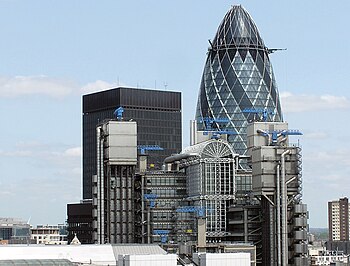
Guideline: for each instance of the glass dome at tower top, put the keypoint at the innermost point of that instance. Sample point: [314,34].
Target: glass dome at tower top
[239,30]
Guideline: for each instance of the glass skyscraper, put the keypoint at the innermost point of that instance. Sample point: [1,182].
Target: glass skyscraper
[238,76]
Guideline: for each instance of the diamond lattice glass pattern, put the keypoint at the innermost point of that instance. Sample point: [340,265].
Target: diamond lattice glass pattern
[238,75]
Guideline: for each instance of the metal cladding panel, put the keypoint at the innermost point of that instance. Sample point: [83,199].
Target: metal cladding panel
[300,248]
[150,260]
[300,235]
[121,141]
[263,182]
[300,222]
[120,128]
[300,208]
[255,139]
[137,249]
[224,259]
[263,154]
[121,153]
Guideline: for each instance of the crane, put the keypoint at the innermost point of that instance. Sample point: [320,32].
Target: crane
[151,198]
[275,134]
[208,126]
[163,235]
[263,111]
[199,211]
[144,148]
[118,113]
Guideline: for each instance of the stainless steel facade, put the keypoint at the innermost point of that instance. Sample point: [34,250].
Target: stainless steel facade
[277,182]
[113,190]
[238,75]
[210,181]
[158,213]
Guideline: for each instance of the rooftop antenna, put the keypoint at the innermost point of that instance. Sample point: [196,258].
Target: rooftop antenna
[165,85]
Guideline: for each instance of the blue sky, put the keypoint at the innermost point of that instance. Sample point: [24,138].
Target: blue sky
[52,52]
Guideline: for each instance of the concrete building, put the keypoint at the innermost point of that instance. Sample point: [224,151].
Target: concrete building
[157,113]
[338,219]
[48,235]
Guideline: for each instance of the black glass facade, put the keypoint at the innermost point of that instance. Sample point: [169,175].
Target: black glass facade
[79,222]
[238,75]
[158,117]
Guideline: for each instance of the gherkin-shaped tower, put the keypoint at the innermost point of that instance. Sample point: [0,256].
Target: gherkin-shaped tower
[238,76]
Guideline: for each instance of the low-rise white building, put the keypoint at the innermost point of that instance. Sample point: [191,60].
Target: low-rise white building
[48,235]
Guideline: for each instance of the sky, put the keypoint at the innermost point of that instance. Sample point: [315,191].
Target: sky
[53,52]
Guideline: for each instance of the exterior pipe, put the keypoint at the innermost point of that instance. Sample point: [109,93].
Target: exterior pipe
[142,208]
[102,195]
[284,209]
[278,199]
[193,135]
[178,157]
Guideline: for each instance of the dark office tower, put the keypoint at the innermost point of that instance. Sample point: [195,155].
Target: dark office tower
[238,75]
[158,117]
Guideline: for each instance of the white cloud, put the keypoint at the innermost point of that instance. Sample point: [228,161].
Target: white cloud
[73,152]
[48,152]
[20,86]
[29,85]
[300,103]
[96,86]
